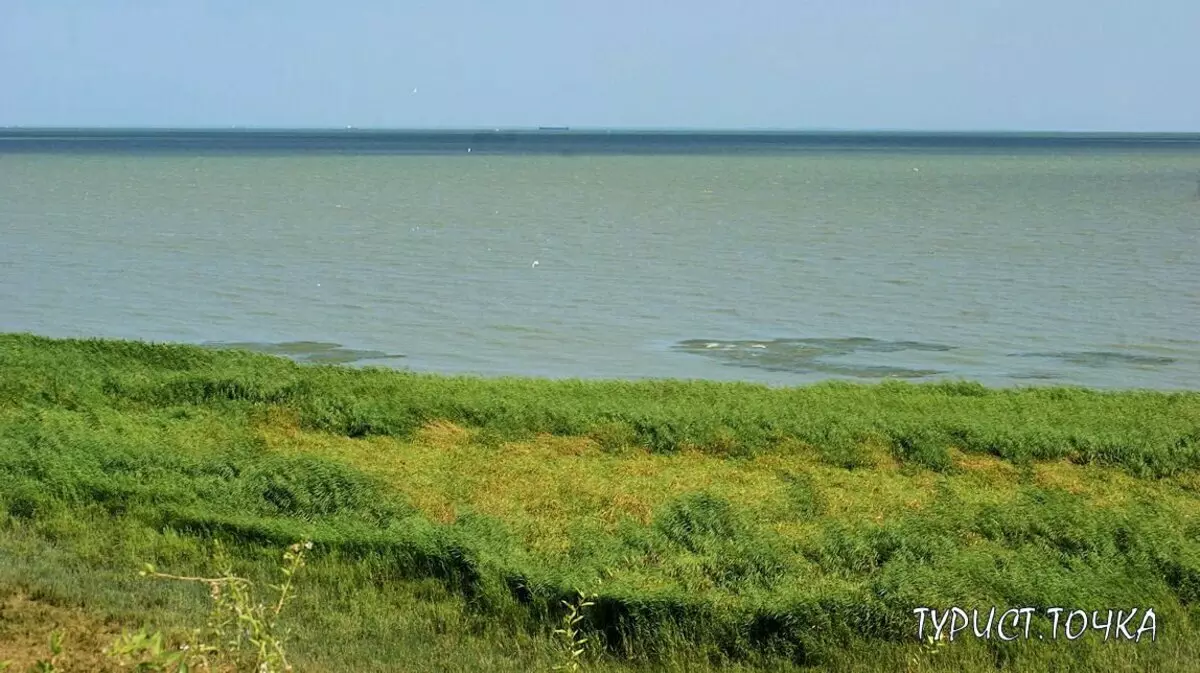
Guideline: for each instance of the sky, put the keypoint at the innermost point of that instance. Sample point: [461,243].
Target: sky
[1007,65]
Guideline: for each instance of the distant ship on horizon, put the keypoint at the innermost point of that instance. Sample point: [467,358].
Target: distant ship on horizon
[554,128]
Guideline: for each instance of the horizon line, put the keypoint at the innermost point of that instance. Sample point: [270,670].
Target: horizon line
[595,129]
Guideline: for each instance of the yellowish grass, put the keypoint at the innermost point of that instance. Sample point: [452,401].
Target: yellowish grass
[544,486]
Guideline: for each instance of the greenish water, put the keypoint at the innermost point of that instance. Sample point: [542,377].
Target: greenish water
[1014,268]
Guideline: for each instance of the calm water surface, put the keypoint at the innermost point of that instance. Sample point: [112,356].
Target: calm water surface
[1011,269]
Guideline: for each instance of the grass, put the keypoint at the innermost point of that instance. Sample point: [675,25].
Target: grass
[457,521]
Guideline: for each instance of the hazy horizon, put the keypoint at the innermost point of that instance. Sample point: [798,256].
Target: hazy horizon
[596,129]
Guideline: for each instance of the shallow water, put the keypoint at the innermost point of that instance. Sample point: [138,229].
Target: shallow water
[1019,268]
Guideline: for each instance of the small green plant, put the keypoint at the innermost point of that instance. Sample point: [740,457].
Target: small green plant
[154,656]
[570,635]
[929,648]
[56,648]
[241,630]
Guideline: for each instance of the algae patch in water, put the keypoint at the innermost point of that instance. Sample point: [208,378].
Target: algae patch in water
[1102,358]
[811,355]
[315,352]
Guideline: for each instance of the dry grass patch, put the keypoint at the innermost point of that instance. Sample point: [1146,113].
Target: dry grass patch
[985,467]
[542,487]
[444,434]
[26,625]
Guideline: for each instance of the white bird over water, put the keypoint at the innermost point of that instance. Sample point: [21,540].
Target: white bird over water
[534,265]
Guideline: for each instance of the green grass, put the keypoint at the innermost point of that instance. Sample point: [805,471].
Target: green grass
[718,524]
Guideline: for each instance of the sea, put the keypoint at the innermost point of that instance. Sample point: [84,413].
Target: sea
[770,257]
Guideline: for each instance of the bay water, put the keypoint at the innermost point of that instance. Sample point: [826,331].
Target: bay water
[1004,267]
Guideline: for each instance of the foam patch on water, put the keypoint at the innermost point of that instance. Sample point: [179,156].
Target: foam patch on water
[813,356]
[316,352]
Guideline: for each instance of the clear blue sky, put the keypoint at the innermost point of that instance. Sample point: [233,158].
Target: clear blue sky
[1099,65]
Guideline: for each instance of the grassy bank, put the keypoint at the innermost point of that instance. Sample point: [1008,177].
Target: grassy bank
[718,524]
